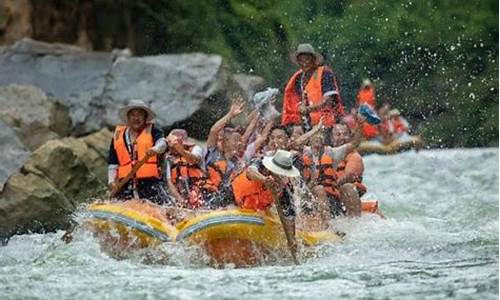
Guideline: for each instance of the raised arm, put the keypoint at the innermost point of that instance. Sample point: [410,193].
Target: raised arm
[262,137]
[236,109]
[254,174]
[301,140]
[254,118]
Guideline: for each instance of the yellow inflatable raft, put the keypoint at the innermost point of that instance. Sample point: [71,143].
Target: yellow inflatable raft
[237,236]
[368,147]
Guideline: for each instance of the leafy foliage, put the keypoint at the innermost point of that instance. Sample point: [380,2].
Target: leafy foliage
[437,61]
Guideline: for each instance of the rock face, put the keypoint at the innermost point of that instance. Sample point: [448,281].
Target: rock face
[35,117]
[65,72]
[57,177]
[177,87]
[187,88]
[14,153]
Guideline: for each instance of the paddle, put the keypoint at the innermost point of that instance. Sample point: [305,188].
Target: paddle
[67,236]
[129,176]
[290,236]
[369,114]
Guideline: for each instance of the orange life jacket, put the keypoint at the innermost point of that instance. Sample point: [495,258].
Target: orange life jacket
[370,131]
[370,206]
[250,194]
[181,169]
[366,95]
[291,101]
[142,143]
[327,175]
[215,173]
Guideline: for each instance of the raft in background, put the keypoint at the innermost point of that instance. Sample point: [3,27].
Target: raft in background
[412,142]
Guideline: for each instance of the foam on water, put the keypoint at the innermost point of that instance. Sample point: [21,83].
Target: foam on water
[440,240]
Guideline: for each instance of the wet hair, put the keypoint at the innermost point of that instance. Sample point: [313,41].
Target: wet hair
[279,127]
[341,122]
[240,129]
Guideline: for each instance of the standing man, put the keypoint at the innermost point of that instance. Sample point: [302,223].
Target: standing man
[312,92]
[131,143]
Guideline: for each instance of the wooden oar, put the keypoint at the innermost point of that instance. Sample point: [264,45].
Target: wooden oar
[290,236]
[129,176]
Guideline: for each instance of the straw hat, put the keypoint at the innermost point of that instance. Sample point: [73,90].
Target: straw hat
[306,49]
[281,163]
[366,82]
[134,104]
[394,112]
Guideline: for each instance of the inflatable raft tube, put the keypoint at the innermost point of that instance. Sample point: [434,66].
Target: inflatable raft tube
[368,147]
[234,236]
[244,237]
[122,227]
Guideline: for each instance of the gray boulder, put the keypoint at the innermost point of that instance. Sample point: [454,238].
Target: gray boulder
[58,177]
[183,87]
[65,72]
[186,90]
[35,117]
[14,153]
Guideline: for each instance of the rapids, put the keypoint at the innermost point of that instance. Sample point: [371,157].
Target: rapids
[440,240]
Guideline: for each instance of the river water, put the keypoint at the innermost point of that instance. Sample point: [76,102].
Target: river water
[440,241]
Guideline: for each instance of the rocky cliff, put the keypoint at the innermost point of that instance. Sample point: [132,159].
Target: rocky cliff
[60,104]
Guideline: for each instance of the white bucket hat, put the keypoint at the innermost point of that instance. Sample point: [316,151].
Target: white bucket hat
[306,49]
[133,104]
[281,163]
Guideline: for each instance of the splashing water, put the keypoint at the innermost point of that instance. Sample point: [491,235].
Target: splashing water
[440,240]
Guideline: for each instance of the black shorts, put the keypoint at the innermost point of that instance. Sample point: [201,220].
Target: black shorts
[150,189]
[286,202]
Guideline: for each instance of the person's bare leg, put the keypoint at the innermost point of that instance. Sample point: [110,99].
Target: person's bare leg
[350,198]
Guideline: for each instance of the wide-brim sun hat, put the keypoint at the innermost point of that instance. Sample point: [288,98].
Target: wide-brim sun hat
[306,49]
[281,163]
[366,82]
[136,104]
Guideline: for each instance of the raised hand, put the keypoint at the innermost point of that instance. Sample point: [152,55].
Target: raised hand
[237,106]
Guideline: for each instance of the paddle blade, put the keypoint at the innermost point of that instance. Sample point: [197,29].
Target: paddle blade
[369,114]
